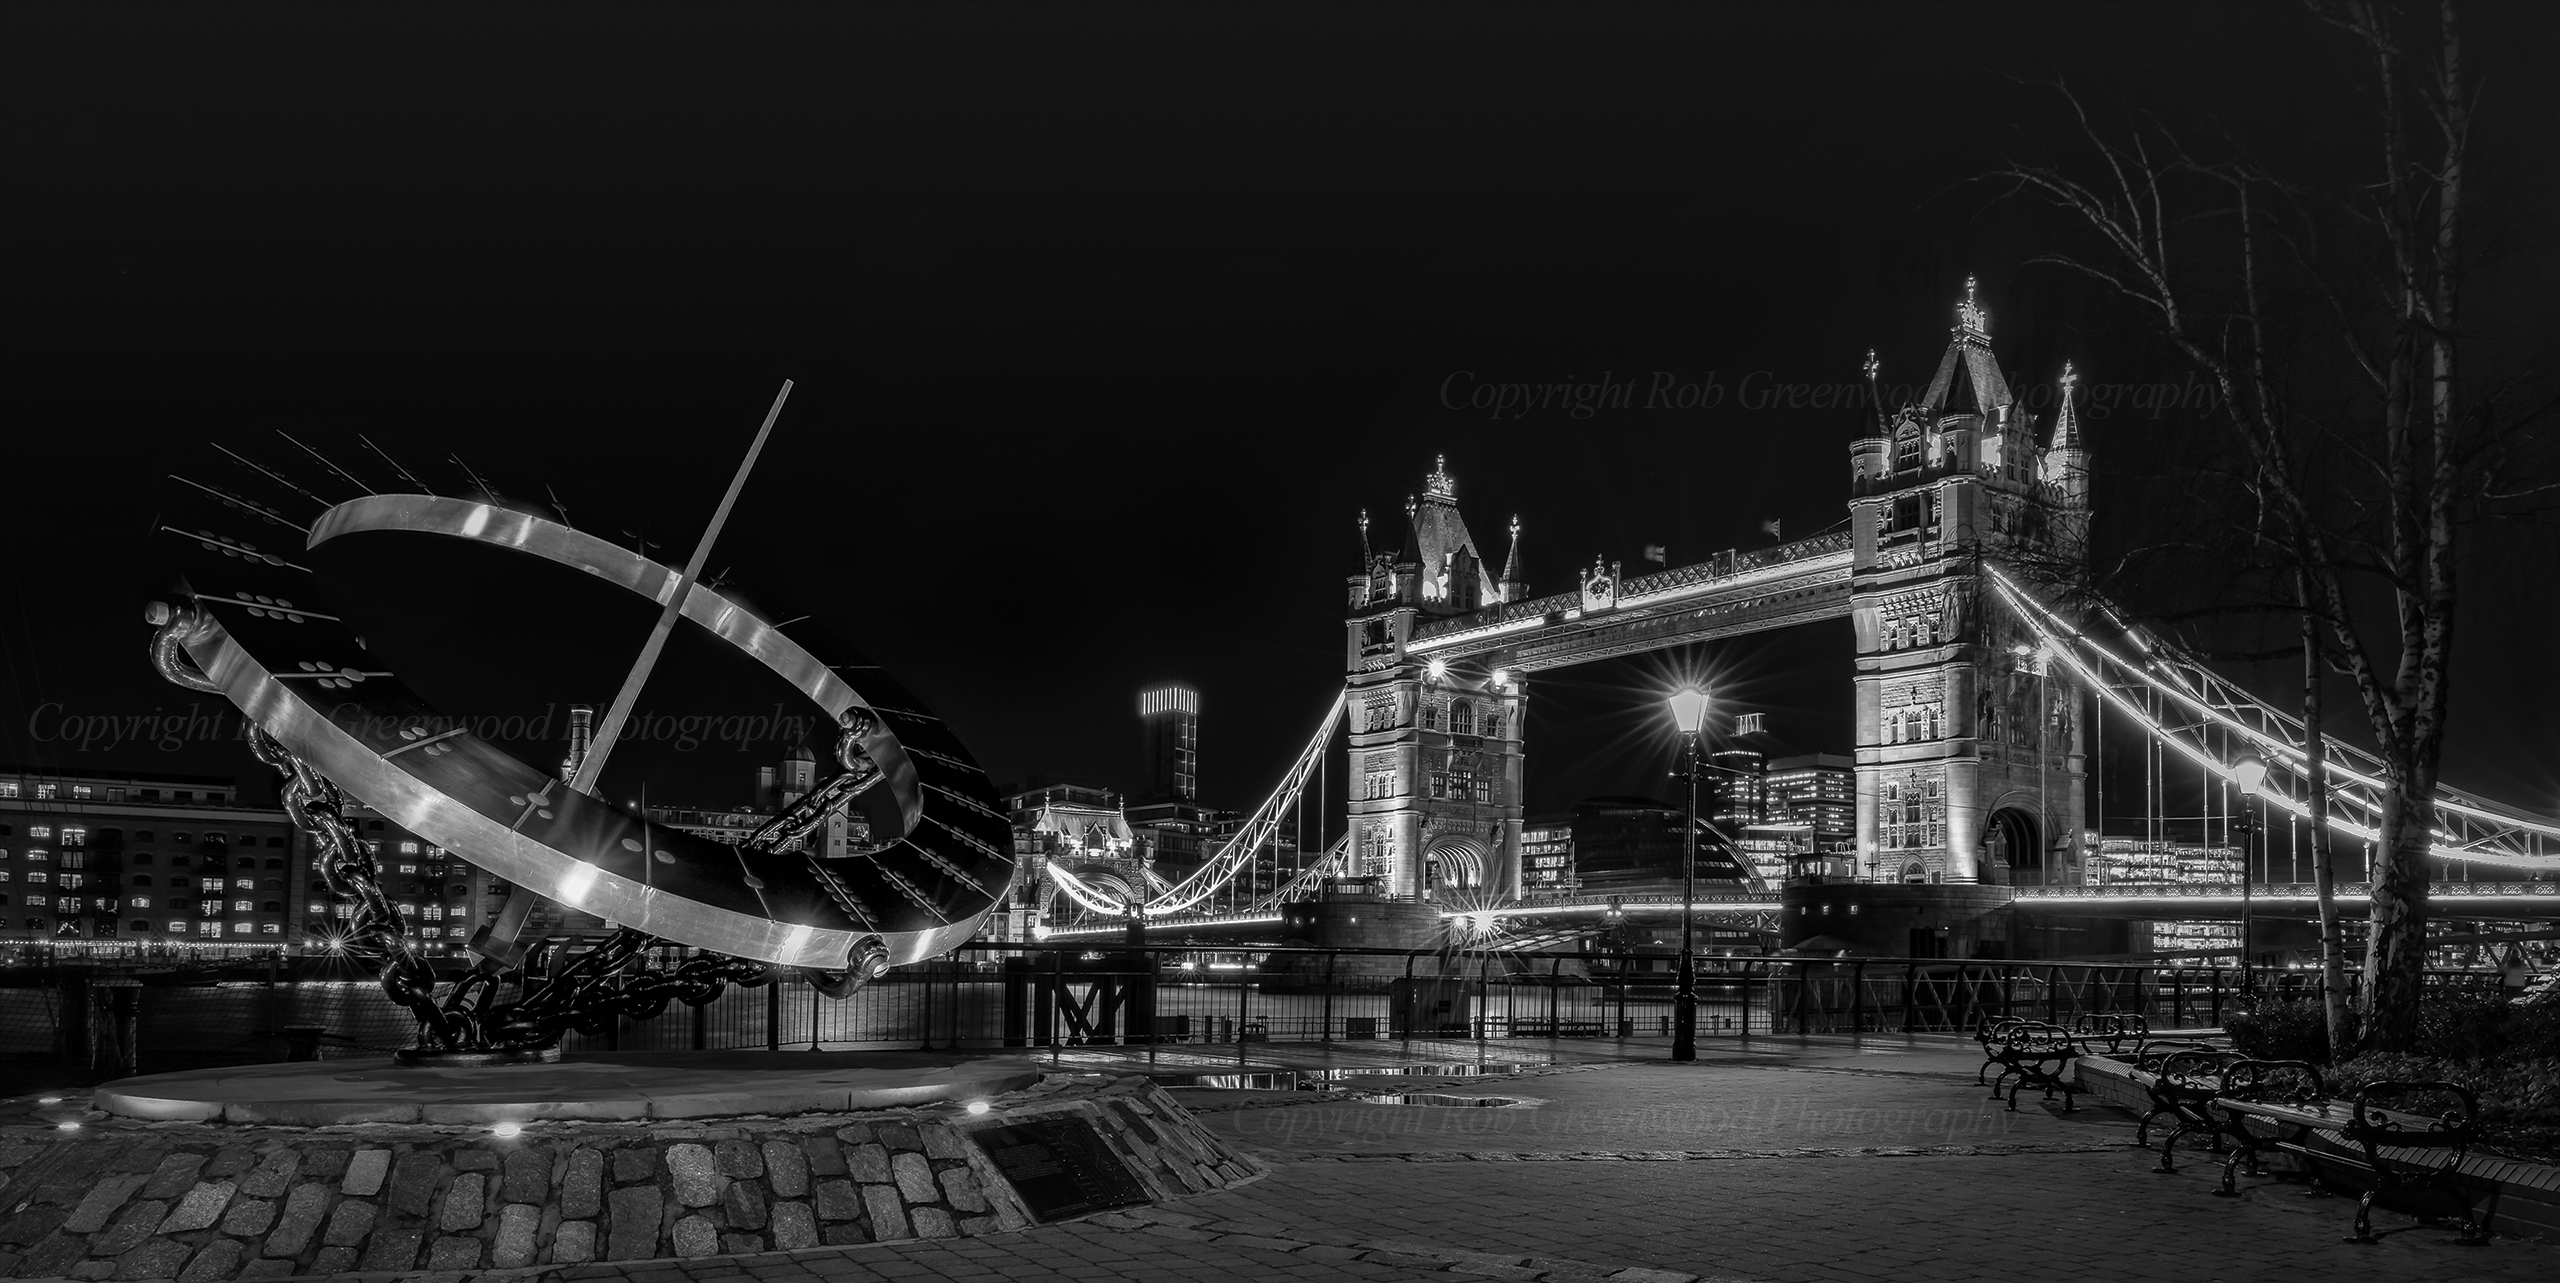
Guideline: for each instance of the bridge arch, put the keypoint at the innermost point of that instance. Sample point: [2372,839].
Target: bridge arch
[1456,863]
[2013,846]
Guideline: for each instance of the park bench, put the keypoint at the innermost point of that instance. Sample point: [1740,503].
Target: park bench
[2181,1078]
[2036,1054]
[1986,1031]
[2395,1137]
[2114,1028]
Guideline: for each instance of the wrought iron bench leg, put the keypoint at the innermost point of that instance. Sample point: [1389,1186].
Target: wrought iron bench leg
[2169,1147]
[2364,1213]
[2142,1127]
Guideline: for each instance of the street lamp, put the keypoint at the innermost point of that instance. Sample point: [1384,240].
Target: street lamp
[2251,776]
[1689,712]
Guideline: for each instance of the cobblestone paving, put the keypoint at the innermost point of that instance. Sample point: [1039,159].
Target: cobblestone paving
[1777,1168]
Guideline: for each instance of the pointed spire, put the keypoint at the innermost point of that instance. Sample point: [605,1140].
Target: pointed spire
[1875,395]
[2066,424]
[1971,321]
[1440,485]
[1511,580]
[1366,556]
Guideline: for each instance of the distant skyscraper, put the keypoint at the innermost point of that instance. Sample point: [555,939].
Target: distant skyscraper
[1738,791]
[1820,789]
[1171,718]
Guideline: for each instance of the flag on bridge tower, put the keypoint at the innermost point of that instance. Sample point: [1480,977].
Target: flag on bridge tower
[1655,553]
[1770,528]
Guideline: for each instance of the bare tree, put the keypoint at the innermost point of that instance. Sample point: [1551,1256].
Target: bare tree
[2330,324]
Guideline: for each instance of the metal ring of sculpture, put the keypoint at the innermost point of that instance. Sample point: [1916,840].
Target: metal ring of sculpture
[261,630]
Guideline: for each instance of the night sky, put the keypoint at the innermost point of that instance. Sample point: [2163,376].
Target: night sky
[1106,321]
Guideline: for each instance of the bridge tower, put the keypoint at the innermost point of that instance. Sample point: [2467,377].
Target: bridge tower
[1435,764]
[1970,755]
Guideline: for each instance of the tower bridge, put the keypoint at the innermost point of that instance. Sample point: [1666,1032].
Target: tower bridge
[1977,700]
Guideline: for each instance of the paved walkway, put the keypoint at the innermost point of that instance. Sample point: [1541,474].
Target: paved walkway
[1779,1162]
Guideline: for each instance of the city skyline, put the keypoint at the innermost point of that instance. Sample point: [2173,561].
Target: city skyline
[1077,442]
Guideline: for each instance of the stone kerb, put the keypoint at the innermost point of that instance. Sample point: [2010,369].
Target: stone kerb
[204,1204]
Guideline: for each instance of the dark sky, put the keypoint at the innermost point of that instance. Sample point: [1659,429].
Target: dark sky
[1106,321]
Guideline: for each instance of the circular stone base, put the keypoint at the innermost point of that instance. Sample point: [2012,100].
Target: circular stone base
[601,1085]
[417,1058]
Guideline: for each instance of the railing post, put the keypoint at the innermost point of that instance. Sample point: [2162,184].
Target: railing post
[1555,981]
[1244,1009]
[1408,1003]
[773,1013]
[1964,999]
[1858,998]
[924,1010]
[1804,989]
[1327,1035]
[1057,999]
[1017,1000]
[2217,993]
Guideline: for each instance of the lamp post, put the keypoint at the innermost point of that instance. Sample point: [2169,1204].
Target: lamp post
[2251,776]
[1689,712]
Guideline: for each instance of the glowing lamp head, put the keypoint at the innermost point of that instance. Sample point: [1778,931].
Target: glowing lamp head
[2250,775]
[1438,668]
[1502,677]
[66,1126]
[507,1129]
[1689,709]
[979,1107]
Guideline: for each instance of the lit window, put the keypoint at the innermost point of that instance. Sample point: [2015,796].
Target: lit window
[177,926]
[141,902]
[408,910]
[74,835]
[408,848]
[36,900]
[38,857]
[241,906]
[39,830]
[8,788]
[271,929]
[408,868]
[346,911]
[433,913]
[239,928]
[44,792]
[83,791]
[38,875]
[244,884]
[209,908]
[208,929]
[72,881]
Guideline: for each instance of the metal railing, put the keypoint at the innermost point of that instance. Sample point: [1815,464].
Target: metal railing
[990,997]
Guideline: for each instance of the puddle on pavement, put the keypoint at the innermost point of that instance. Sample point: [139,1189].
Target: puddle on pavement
[1319,1079]
[1436,1100]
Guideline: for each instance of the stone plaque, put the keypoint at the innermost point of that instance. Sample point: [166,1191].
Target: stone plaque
[1060,1166]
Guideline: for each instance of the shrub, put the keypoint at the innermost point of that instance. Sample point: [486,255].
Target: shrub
[2278,1029]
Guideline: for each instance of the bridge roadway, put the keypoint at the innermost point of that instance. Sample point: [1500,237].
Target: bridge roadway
[2464,901]
[1726,595]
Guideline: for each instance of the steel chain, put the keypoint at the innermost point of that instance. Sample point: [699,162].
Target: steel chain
[589,994]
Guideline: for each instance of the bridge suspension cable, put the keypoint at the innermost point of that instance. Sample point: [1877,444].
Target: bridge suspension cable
[1235,856]
[2465,828]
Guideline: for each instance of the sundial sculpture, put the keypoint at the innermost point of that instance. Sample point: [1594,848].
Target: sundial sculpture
[293,575]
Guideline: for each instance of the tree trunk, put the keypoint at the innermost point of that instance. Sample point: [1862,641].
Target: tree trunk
[2396,951]
[2333,960]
